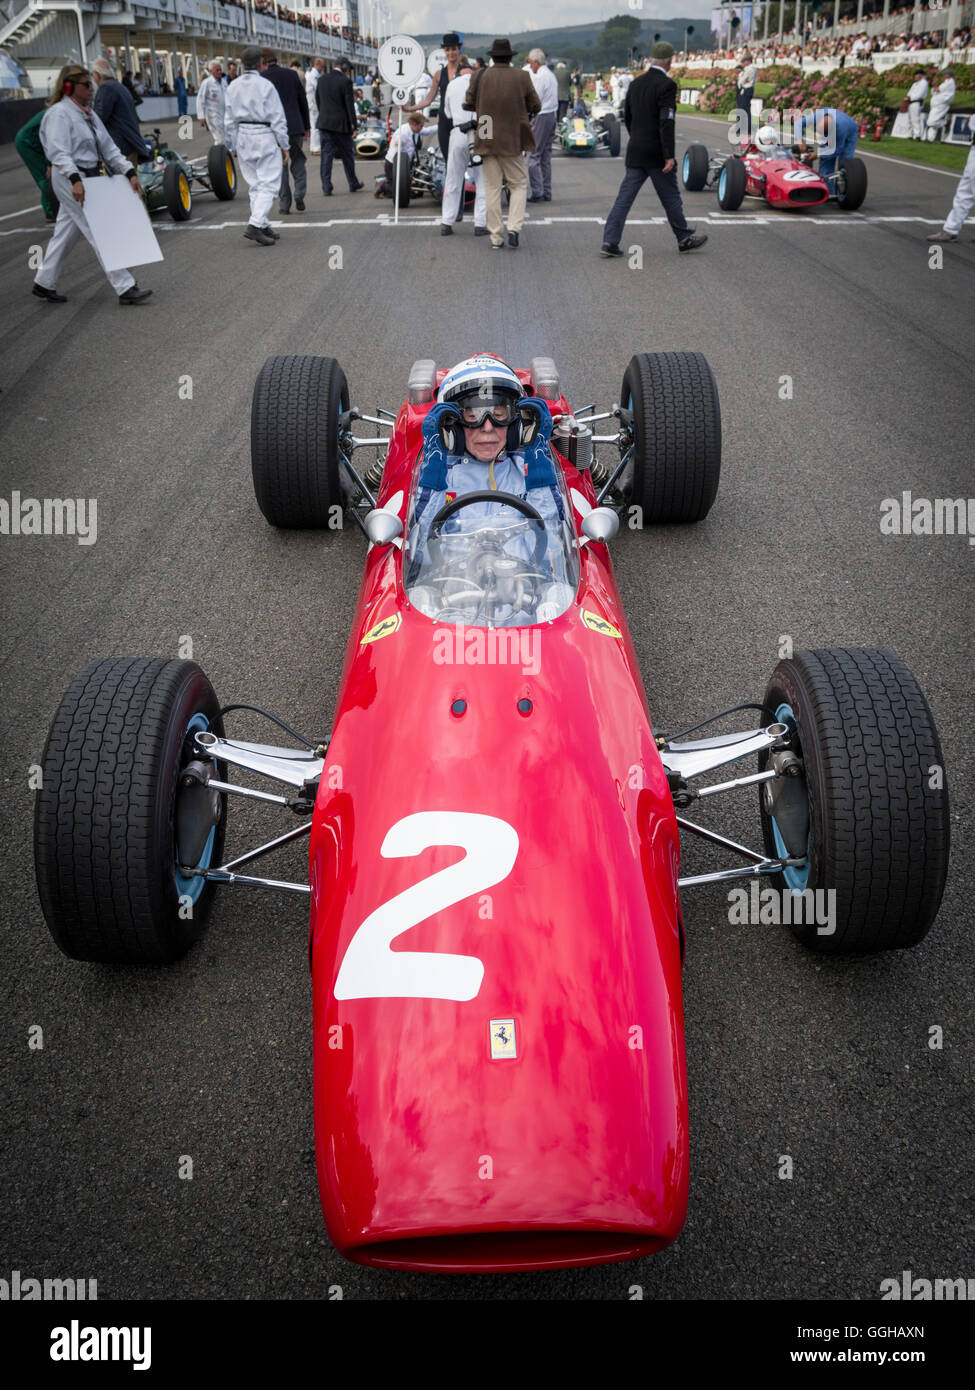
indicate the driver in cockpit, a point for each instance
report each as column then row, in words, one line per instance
column 486, row 435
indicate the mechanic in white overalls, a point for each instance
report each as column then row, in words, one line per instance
column 255, row 124
column 311, row 92
column 74, row 140
column 941, row 100
column 915, row 102
column 210, row 102
column 459, row 157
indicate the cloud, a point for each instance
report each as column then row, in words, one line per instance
column 502, row 17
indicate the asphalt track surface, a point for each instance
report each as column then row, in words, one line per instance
column 823, row 1060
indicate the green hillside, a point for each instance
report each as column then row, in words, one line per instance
column 581, row 42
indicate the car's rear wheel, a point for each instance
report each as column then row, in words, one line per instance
column 673, row 397
column 402, row 175
column 176, row 192
column 731, row 184
column 612, row 126
column 695, row 167
column 851, row 184
column 878, row 817
column 222, row 172
column 107, row 860
column 296, row 410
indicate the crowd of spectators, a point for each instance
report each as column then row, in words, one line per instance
column 270, row 9
column 851, row 49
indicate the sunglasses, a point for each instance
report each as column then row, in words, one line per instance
column 81, row 82
column 475, row 418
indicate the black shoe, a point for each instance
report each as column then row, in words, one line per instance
column 547, row 198
column 134, row 296
column 691, row 243
column 258, row 234
column 269, row 231
column 445, row 230
column 51, row 296
column 513, row 240
column 480, row 231
column 300, row 204
column 535, row 198
column 326, row 193
column 356, row 186
column 283, row 212
column 611, row 249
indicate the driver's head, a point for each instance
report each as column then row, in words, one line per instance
column 485, row 392
column 766, row 138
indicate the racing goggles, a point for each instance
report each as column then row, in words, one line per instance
column 474, row 417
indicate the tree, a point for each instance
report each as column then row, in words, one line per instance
column 617, row 39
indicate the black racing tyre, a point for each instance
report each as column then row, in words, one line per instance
column 104, row 819
column 731, row 184
column 402, row 174
column 851, row 184
column 177, row 194
column 676, row 435
column 878, row 803
column 222, row 172
column 295, row 414
column 695, row 167
column 612, row 126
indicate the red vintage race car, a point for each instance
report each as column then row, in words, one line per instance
column 775, row 174
column 494, row 882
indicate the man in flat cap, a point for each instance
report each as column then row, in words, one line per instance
column 255, row 123
column 504, row 99
column 649, row 114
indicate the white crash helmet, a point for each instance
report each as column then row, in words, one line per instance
column 766, row 138
column 483, row 378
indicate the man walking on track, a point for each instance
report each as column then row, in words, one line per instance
column 503, row 98
column 649, row 115
column 255, row 124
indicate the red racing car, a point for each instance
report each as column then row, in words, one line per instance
column 775, row 173
column 494, row 883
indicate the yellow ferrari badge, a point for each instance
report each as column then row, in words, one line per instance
column 383, row 629
column 597, row 624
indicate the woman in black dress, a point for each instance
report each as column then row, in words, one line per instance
column 443, row 75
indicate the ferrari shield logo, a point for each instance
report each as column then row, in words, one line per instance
column 383, row 629
column 503, row 1042
column 597, row 624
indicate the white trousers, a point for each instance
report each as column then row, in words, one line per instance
column 259, row 157
column 315, row 138
column 964, row 198
column 458, row 158
column 916, row 113
column 70, row 225
column 215, row 127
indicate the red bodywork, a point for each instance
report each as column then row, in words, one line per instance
column 432, row 1153
column 784, row 182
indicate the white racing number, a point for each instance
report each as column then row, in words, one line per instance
column 369, row 969
column 799, row 175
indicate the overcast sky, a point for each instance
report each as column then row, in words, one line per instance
column 508, row 17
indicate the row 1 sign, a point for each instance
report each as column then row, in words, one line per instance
column 401, row 60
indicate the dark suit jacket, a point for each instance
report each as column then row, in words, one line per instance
column 650, row 117
column 291, row 90
column 336, row 108
column 115, row 106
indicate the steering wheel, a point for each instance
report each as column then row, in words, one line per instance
column 508, row 499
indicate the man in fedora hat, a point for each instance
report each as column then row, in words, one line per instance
column 504, row 99
column 649, row 115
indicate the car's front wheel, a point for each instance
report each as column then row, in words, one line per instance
column 851, row 184
column 222, row 172
column 876, row 799
column 673, row 398
column 695, row 167
column 731, row 184
column 113, row 821
column 296, row 410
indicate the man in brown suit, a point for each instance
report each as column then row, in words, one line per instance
column 503, row 98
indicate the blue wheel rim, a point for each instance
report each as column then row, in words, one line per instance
column 796, row 875
column 722, row 183
column 685, row 167
column 192, row 888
